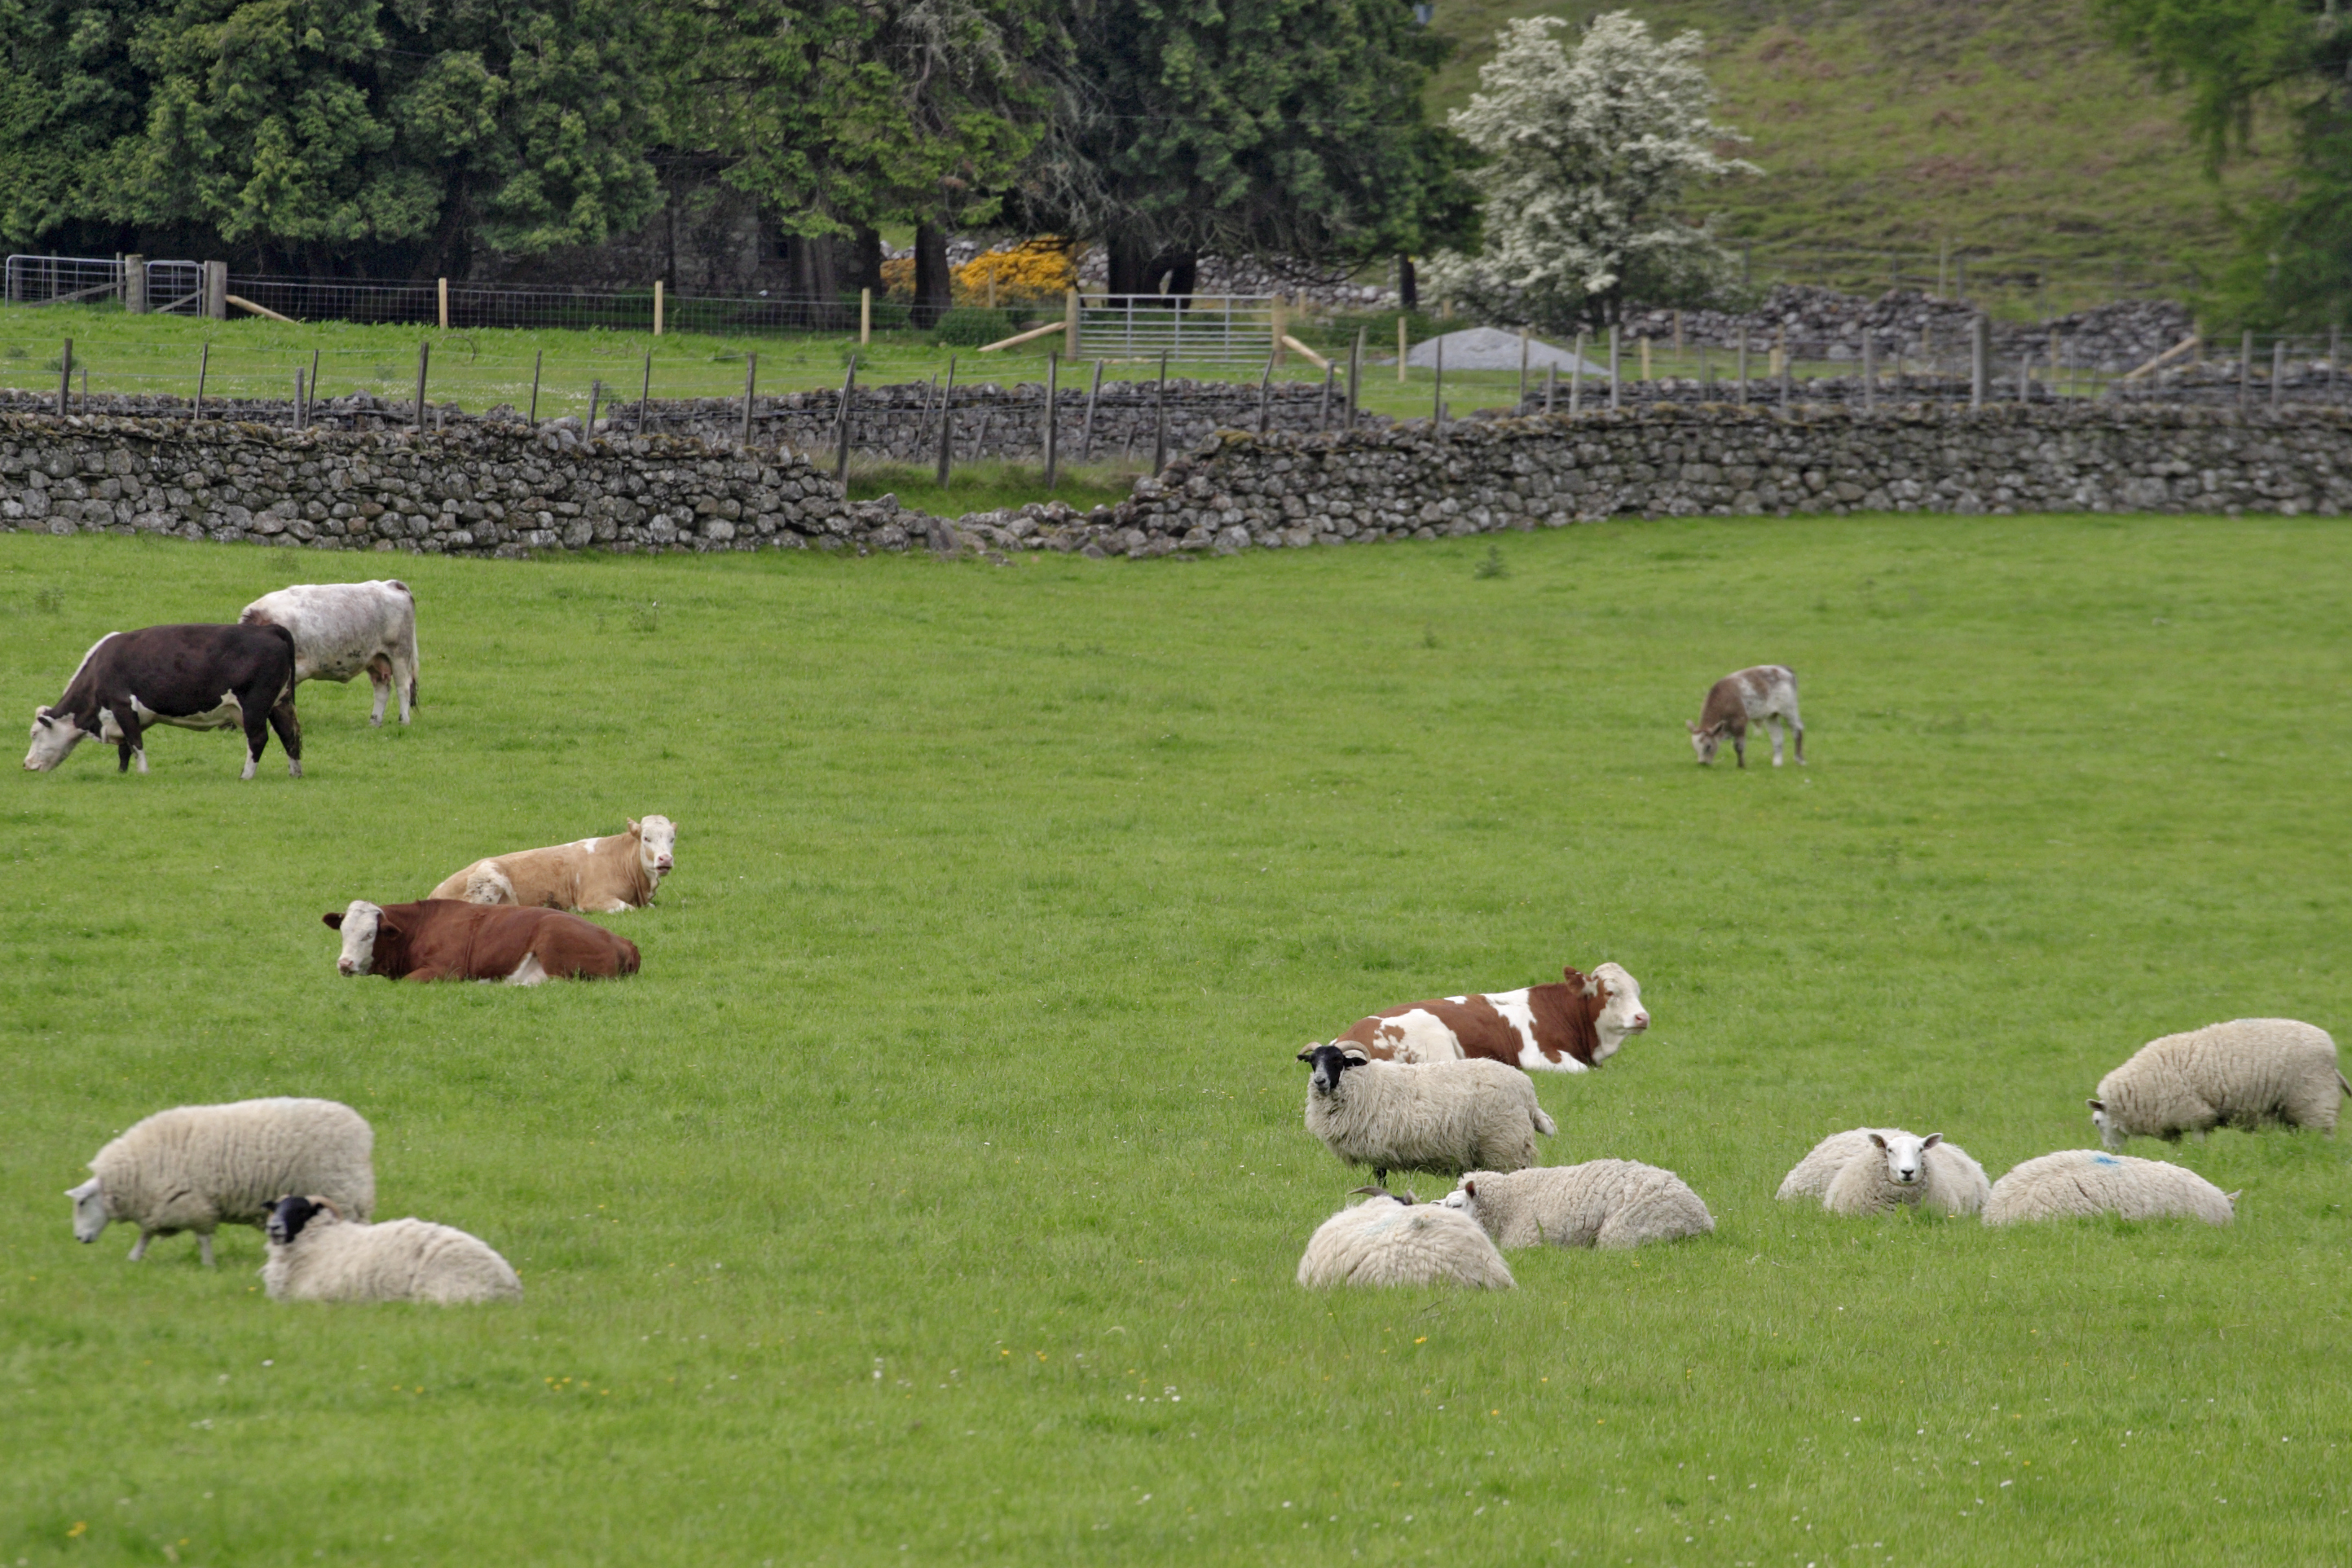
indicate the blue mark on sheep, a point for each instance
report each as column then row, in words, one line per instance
column 2104, row 1160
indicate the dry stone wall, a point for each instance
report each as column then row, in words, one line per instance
column 497, row 489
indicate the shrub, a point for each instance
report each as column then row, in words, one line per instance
column 965, row 327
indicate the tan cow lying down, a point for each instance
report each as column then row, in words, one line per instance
column 602, row 876
column 441, row 939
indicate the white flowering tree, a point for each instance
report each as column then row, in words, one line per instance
column 1590, row 153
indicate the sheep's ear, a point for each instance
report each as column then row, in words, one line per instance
column 2096, row 1104
column 1308, row 1054
column 333, row 922
column 1930, row 1141
column 1469, row 1189
column 2234, row 1197
column 1877, row 1140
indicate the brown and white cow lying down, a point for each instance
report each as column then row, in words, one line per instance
column 603, row 876
column 1570, row 1026
column 441, row 939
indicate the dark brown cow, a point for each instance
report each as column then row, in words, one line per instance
column 446, row 938
column 1568, row 1026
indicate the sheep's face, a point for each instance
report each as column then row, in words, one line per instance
column 293, row 1215
column 54, row 735
column 1621, row 1014
column 1906, row 1156
column 89, row 1211
column 657, row 846
column 1464, row 1197
column 1329, row 1062
column 359, row 925
column 2110, row 1136
column 1707, row 742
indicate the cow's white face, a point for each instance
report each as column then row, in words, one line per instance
column 54, row 734
column 1621, row 1014
column 657, row 846
column 89, row 1211
column 359, row 925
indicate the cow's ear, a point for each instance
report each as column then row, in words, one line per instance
column 1691, row 725
column 635, row 828
column 333, row 922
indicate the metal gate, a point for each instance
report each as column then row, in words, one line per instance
column 176, row 287
column 1217, row 327
column 53, row 280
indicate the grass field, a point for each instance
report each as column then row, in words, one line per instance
column 933, row 1194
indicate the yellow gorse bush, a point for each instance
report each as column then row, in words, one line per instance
column 1035, row 269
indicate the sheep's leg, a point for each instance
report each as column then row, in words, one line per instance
column 139, row 1248
column 205, row 1248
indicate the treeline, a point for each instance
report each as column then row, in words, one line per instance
column 403, row 138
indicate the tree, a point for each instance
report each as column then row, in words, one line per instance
column 1590, row 156
column 1291, row 129
column 2295, row 267
column 69, row 93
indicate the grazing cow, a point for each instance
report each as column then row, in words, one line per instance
column 1764, row 694
column 342, row 628
column 196, row 676
column 1572, row 1025
column 603, row 875
column 441, row 939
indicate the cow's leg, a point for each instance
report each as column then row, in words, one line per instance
column 131, row 744
column 404, row 676
column 288, row 725
column 1739, row 744
column 1773, row 725
column 530, row 971
column 1798, row 726
column 380, row 675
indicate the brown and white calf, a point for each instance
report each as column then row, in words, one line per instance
column 1762, row 694
column 342, row 628
column 440, row 939
column 603, row 875
column 1572, row 1025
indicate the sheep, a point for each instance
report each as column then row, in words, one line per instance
column 1899, row 1170
column 196, row 1167
column 2244, row 1073
column 2082, row 1182
column 1602, row 1203
column 1447, row 1117
column 315, row 1255
column 1390, row 1240
column 1812, row 1176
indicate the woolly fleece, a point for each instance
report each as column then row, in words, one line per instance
column 196, row 1167
column 1385, row 1241
column 1442, row 1117
column 399, row 1260
column 1602, row 1203
column 2246, row 1073
column 2078, row 1183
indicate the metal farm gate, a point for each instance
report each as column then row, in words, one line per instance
column 1233, row 328
column 53, row 280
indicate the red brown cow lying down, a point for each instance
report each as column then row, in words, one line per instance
column 442, row 939
column 1570, row 1026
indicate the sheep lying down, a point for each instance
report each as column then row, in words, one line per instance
column 1602, row 1203
column 1877, row 1170
column 1389, row 1240
column 316, row 1255
column 2079, row 1182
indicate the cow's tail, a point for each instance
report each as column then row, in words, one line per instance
column 1544, row 1124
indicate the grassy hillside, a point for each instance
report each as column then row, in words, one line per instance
column 2010, row 126
column 933, row 1195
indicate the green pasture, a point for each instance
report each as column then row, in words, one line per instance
column 933, row 1195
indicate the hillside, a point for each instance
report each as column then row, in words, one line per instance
column 2011, row 129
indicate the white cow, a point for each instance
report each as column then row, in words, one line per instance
column 342, row 628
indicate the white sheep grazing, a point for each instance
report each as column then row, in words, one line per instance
column 2245, row 1073
column 1900, row 1169
column 315, row 1255
column 1391, row 1240
column 197, row 1167
column 1602, row 1203
column 2078, row 1183
column 1447, row 1117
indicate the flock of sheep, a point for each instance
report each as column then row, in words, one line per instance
column 1477, row 1119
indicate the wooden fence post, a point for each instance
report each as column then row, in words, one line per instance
column 1980, row 359
column 646, row 391
column 1576, row 377
column 596, row 396
column 1400, row 348
column 443, row 290
column 1265, row 382
column 751, row 387
column 657, row 308
column 538, row 362
column 1070, row 325
column 2278, row 369
column 204, row 363
column 841, row 419
column 1355, row 373
column 1087, row 430
column 947, row 427
column 1646, row 358
column 865, row 316
column 1160, row 419
column 298, row 400
column 214, row 298
column 1523, row 373
column 424, row 358
column 65, row 377
column 1616, row 368
column 1278, row 326
column 313, row 394
column 1053, row 422
column 2245, row 367
column 135, row 285
column 1437, row 396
